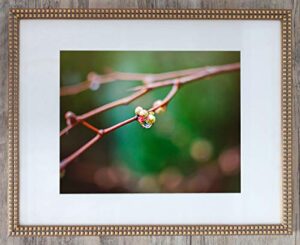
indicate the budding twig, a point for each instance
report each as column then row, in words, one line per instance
column 150, row 81
column 100, row 133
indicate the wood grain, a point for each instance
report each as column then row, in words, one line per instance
column 206, row 240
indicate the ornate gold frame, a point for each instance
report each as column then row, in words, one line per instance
column 15, row 15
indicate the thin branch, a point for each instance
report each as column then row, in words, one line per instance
column 122, row 76
column 209, row 71
column 67, row 129
column 75, row 89
column 123, row 101
column 168, row 98
column 64, row 163
column 102, row 132
column 91, row 127
column 181, row 79
column 200, row 73
column 119, row 125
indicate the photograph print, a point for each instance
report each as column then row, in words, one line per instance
column 150, row 122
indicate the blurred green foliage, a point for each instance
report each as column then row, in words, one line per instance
column 206, row 111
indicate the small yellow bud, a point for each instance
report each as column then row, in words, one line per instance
column 157, row 103
column 143, row 113
column 138, row 110
column 159, row 109
column 151, row 119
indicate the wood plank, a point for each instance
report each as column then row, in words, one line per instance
column 257, row 240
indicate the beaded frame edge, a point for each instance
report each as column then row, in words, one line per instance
column 14, row 226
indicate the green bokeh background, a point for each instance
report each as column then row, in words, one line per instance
column 206, row 111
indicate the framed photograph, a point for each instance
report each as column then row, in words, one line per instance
column 149, row 122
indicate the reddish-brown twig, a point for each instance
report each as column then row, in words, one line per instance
column 183, row 77
column 122, row 76
column 199, row 74
column 100, row 133
column 168, row 98
column 65, row 162
column 123, row 101
column 209, row 71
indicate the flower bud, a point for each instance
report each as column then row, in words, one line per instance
column 138, row 110
column 151, row 119
column 159, row 109
column 143, row 113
